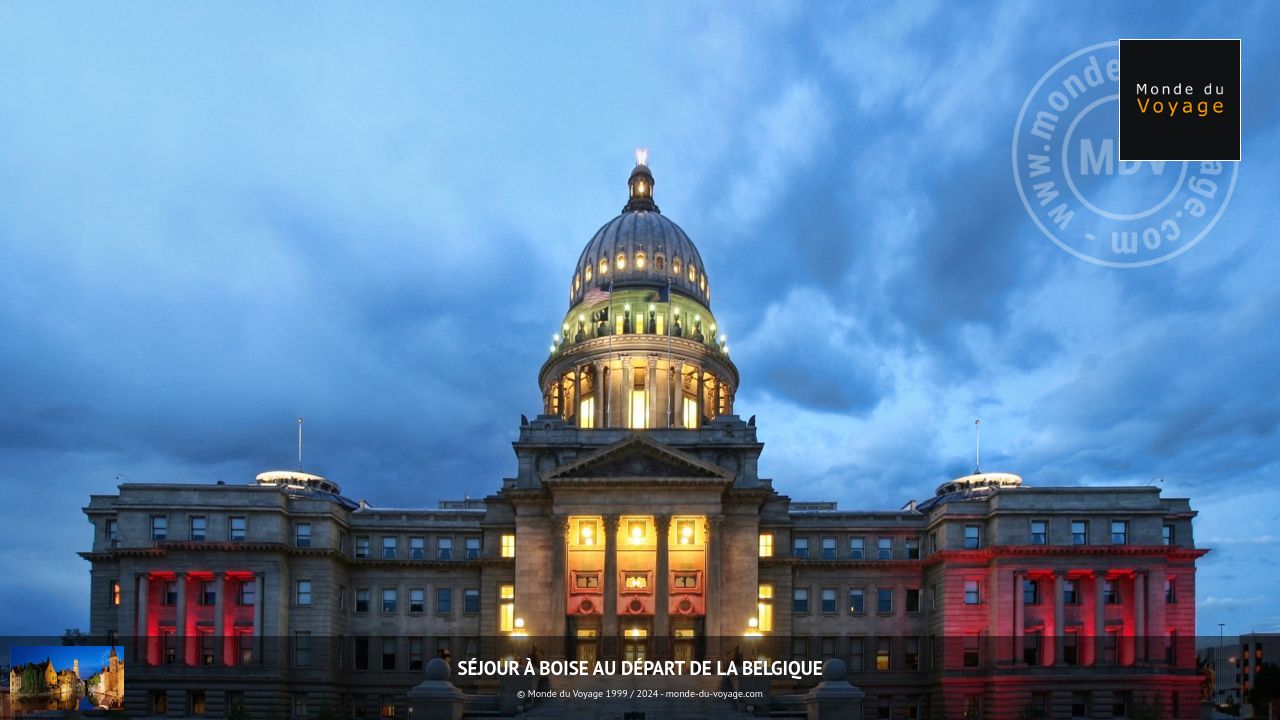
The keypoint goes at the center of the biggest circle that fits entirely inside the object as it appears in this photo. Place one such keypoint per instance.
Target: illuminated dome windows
(639, 394)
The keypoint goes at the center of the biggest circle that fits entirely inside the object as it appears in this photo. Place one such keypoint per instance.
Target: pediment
(639, 458)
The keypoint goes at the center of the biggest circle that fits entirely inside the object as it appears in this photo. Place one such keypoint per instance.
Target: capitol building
(635, 526)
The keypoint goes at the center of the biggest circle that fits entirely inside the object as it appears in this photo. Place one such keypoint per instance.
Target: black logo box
(1187, 68)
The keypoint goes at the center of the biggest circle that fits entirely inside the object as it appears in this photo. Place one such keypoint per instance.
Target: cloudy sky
(216, 219)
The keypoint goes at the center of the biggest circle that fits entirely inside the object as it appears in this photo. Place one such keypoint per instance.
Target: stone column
(600, 391)
(180, 624)
(1157, 629)
(626, 379)
(1139, 616)
(609, 623)
(702, 395)
(559, 396)
(219, 639)
(559, 569)
(662, 589)
(1059, 635)
(1099, 616)
(1019, 616)
(714, 590)
(577, 395)
(258, 602)
(651, 392)
(677, 395)
(141, 629)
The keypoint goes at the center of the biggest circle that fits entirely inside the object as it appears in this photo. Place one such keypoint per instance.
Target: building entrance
(635, 645)
(586, 645)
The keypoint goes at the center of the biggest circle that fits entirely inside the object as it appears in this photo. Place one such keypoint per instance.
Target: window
(1171, 648)
(913, 600)
(388, 656)
(855, 548)
(113, 531)
(444, 548)
(1031, 648)
(884, 600)
(159, 702)
(508, 546)
(800, 548)
(362, 600)
(198, 527)
(1039, 532)
(933, 542)
(635, 581)
(1071, 648)
(170, 593)
(361, 653)
(208, 648)
(237, 527)
(208, 592)
(303, 594)
(764, 606)
(1110, 645)
(855, 654)
(417, 600)
(1167, 534)
(800, 600)
(1119, 532)
(972, 650)
(972, 594)
(389, 546)
(362, 547)
(1110, 594)
(389, 598)
(301, 649)
(248, 592)
(828, 548)
(444, 600)
(686, 581)
(472, 547)
(471, 600)
(1030, 591)
(303, 535)
(1079, 532)
(1170, 591)
(913, 548)
(586, 580)
(766, 544)
(417, 653)
(1070, 593)
(1079, 705)
(911, 654)
(799, 647)
(342, 597)
(417, 548)
(884, 707)
(972, 537)
(882, 653)
(342, 541)
(159, 527)
(884, 548)
(506, 608)
(828, 600)
(1119, 704)
(114, 592)
(857, 601)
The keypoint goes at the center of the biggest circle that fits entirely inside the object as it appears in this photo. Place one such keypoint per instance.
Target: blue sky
(215, 219)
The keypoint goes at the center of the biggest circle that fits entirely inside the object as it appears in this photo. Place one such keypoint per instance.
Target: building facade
(637, 526)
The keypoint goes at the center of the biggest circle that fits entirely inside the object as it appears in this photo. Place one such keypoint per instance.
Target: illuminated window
(703, 283)
(659, 262)
(765, 607)
(587, 532)
(766, 544)
(639, 408)
(693, 273)
(622, 261)
(685, 532)
(587, 413)
(637, 532)
(686, 581)
(640, 260)
(115, 592)
(586, 581)
(882, 654)
(604, 266)
(506, 608)
(675, 266)
(690, 413)
(508, 546)
(587, 273)
(635, 580)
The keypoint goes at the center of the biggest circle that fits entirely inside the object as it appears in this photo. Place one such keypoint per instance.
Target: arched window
(693, 273)
(577, 282)
(587, 272)
(604, 267)
(622, 261)
(640, 259)
(675, 266)
(703, 282)
(659, 262)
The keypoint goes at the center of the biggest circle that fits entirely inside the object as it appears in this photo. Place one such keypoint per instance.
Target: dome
(640, 247)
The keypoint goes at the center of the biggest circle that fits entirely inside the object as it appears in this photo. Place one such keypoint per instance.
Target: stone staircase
(615, 708)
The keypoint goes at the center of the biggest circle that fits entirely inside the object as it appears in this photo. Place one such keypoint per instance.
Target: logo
(1066, 164)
